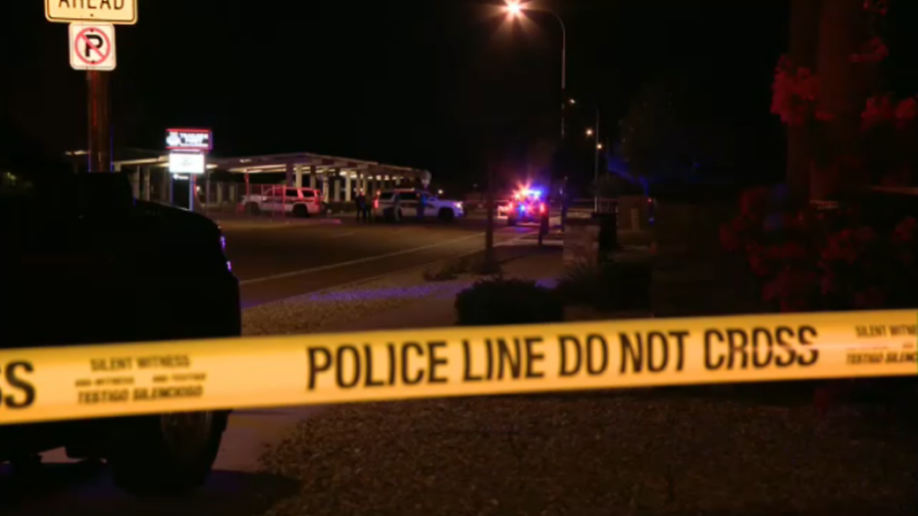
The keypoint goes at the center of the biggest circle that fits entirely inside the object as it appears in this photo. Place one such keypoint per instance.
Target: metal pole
(191, 191)
(596, 165)
(100, 134)
(489, 259)
(563, 73)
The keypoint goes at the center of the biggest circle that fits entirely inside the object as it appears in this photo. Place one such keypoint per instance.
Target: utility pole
(100, 129)
(490, 262)
(596, 165)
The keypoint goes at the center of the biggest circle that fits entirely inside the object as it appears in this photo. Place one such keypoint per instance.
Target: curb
(270, 225)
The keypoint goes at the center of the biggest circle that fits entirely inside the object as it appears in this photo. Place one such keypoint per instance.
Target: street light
(590, 133)
(516, 9)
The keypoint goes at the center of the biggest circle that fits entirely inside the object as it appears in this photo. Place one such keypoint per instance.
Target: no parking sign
(92, 46)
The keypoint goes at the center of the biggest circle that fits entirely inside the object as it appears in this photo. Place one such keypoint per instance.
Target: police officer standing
(543, 224)
(422, 200)
(361, 201)
(368, 208)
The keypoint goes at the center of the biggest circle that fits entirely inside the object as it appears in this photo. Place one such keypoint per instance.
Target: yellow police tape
(114, 380)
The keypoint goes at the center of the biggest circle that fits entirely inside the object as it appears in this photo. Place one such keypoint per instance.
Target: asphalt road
(277, 263)
(272, 264)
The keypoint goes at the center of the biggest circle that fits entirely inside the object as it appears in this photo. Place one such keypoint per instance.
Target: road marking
(273, 226)
(352, 233)
(355, 262)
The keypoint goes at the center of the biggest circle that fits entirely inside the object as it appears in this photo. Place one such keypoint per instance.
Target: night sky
(412, 82)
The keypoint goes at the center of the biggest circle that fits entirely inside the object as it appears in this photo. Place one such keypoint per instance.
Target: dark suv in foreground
(82, 262)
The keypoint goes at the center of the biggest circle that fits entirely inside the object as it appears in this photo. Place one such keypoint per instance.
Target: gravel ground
(312, 313)
(637, 453)
(586, 455)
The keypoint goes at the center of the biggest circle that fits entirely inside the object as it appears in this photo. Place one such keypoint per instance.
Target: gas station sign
(200, 140)
(117, 12)
(187, 163)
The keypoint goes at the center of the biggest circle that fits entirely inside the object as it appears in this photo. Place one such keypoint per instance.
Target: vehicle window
(408, 196)
(308, 194)
(292, 192)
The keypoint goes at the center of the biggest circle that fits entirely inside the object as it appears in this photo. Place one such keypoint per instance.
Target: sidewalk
(438, 308)
(400, 300)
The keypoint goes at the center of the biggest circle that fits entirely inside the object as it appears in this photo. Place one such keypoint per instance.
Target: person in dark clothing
(361, 201)
(368, 209)
(422, 199)
(543, 226)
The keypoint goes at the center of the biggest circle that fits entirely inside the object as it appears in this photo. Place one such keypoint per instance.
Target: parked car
(397, 205)
(299, 202)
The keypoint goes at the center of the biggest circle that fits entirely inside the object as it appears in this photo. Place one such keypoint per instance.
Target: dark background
(414, 82)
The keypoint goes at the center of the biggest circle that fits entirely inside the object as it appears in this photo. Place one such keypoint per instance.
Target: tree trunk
(490, 260)
(843, 90)
(804, 37)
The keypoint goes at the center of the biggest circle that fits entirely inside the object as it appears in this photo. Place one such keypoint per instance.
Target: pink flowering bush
(809, 260)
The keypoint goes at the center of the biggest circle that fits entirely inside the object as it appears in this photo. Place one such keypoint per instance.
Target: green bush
(499, 302)
(612, 286)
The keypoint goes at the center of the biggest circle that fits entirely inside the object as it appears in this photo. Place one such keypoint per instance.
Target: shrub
(500, 302)
(611, 286)
(807, 259)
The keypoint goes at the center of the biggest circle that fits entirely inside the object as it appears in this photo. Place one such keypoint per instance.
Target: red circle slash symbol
(102, 46)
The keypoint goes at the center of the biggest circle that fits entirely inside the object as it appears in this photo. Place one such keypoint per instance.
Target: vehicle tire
(167, 454)
(252, 208)
(447, 215)
(300, 211)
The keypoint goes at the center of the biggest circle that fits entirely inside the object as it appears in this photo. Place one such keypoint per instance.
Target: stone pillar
(146, 183)
(325, 192)
(298, 172)
(337, 180)
(165, 193)
(219, 186)
(348, 189)
(290, 174)
(312, 176)
(134, 178)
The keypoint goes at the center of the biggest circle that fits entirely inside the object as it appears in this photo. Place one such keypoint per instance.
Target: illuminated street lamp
(515, 9)
(590, 132)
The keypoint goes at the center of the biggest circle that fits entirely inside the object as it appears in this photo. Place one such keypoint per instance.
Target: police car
(527, 206)
(85, 263)
(401, 204)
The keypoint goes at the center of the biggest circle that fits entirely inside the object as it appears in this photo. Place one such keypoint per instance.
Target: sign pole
(191, 191)
(100, 134)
